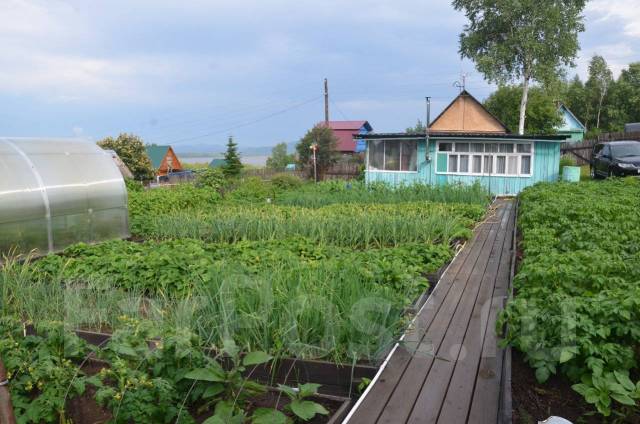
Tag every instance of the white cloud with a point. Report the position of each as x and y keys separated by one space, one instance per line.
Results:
x=627 y=11
x=618 y=56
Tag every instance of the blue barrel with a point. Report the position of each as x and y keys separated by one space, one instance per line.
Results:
x=571 y=174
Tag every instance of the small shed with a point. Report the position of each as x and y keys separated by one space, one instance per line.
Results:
x=164 y=160
x=632 y=128
x=571 y=127
x=217 y=163
x=56 y=192
x=464 y=144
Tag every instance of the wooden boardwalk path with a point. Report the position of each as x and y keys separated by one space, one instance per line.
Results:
x=447 y=368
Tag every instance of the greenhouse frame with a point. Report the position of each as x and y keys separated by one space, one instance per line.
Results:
x=56 y=192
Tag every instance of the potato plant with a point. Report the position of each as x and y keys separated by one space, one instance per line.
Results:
x=577 y=307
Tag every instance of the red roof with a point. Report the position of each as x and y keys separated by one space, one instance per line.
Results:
x=344 y=131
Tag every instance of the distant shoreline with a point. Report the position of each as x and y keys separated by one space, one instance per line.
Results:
x=255 y=160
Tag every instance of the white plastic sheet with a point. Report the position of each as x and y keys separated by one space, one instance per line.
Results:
x=56 y=192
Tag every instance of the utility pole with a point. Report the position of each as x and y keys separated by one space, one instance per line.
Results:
x=326 y=101
x=426 y=128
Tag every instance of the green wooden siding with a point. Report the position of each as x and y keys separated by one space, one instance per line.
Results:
x=573 y=136
x=546 y=162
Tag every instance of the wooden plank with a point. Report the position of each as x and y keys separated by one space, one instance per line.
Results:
x=403 y=398
x=456 y=403
x=373 y=404
x=479 y=290
x=486 y=397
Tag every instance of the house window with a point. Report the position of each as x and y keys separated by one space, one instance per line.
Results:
x=376 y=155
x=409 y=150
x=468 y=158
x=393 y=155
x=501 y=162
x=453 y=163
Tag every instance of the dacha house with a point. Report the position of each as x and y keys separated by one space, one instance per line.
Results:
x=345 y=131
x=464 y=144
x=571 y=127
x=164 y=160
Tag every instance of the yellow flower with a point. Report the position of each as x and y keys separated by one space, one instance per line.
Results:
x=117 y=396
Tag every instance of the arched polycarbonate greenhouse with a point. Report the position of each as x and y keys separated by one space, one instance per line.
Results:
x=56 y=192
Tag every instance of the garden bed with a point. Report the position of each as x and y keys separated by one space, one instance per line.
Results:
x=324 y=271
x=339 y=380
x=573 y=320
x=85 y=410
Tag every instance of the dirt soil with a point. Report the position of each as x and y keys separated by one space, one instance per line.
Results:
x=85 y=409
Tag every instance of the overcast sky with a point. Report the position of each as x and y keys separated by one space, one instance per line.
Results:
x=192 y=72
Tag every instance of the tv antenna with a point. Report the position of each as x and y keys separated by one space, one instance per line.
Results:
x=461 y=85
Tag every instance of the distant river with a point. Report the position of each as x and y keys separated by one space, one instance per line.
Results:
x=256 y=160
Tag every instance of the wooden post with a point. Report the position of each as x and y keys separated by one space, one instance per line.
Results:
x=6 y=409
x=326 y=102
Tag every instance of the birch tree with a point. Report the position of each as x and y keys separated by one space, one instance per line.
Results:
x=600 y=79
x=523 y=41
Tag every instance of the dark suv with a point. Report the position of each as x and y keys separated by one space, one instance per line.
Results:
x=617 y=158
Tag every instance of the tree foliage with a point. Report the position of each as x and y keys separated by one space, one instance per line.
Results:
x=419 y=128
x=600 y=78
x=131 y=150
x=326 y=154
x=232 y=166
x=525 y=40
x=620 y=104
x=542 y=112
x=279 y=158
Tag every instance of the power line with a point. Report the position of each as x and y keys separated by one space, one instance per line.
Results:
x=230 y=117
x=255 y=121
x=339 y=110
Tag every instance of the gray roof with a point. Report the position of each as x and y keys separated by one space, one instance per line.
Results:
x=630 y=128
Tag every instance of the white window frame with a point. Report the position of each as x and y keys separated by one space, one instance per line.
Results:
x=493 y=155
x=384 y=156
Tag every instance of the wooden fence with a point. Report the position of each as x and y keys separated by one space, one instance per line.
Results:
x=267 y=174
x=342 y=171
x=583 y=151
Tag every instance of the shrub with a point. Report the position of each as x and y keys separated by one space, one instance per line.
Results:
x=131 y=150
x=286 y=181
x=252 y=189
x=133 y=185
x=210 y=178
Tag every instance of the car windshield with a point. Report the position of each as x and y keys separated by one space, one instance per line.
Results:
x=625 y=150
